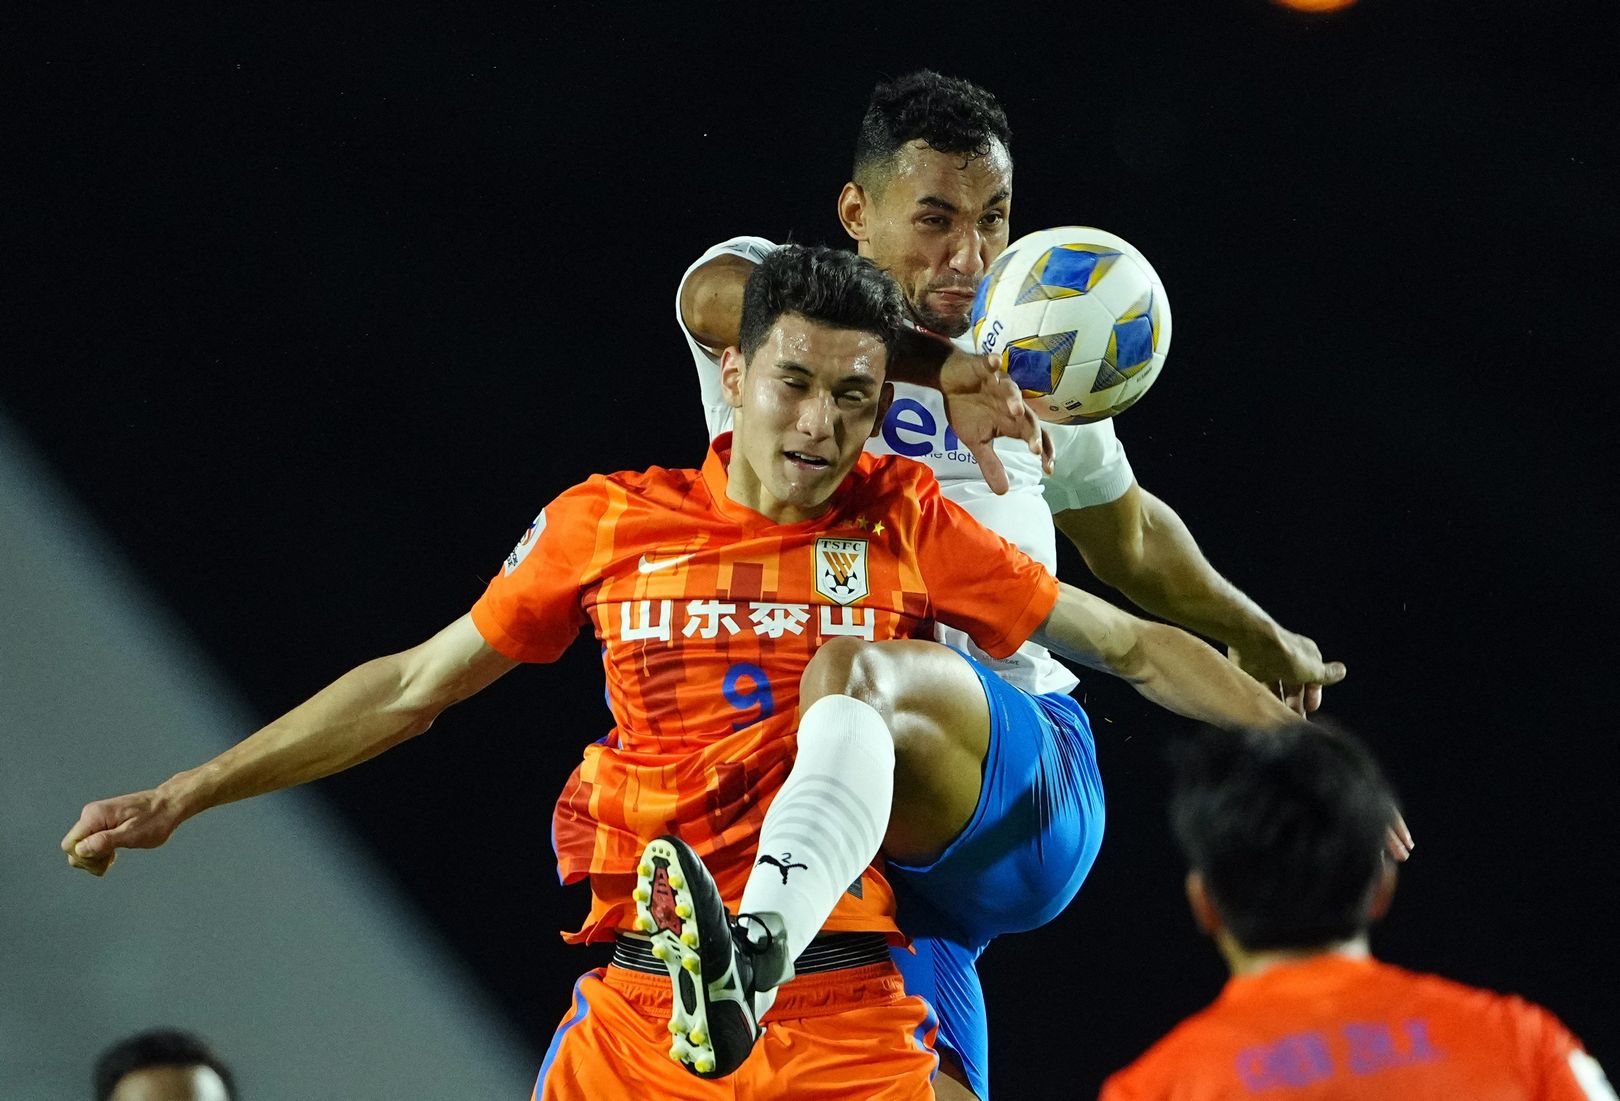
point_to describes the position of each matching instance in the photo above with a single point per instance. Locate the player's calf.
(716, 968)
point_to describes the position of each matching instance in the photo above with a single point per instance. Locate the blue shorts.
(1015, 865)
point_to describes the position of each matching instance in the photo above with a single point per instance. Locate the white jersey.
(1090, 469)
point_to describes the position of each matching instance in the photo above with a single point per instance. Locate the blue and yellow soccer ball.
(1078, 318)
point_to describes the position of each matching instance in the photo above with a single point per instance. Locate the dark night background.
(314, 310)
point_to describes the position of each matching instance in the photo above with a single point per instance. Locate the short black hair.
(950, 114)
(826, 285)
(1287, 830)
(158, 1047)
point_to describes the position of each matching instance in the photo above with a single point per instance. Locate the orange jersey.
(708, 614)
(1336, 1027)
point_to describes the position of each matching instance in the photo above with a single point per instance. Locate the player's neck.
(744, 487)
(1244, 963)
(771, 510)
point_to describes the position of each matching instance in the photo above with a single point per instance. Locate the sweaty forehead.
(919, 169)
(809, 344)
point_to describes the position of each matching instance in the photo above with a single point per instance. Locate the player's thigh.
(935, 708)
(1034, 836)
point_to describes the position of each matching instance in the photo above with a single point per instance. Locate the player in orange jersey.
(1283, 835)
(929, 199)
(712, 592)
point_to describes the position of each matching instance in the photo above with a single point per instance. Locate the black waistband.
(828, 952)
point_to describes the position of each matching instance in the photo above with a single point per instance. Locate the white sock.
(827, 822)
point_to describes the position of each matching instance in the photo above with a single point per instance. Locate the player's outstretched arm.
(367, 710)
(1140, 546)
(1165, 664)
(1177, 672)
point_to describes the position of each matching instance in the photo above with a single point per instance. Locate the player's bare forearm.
(1186, 675)
(1165, 664)
(365, 711)
(1141, 547)
(918, 359)
(1138, 545)
(1088, 630)
(349, 721)
(355, 717)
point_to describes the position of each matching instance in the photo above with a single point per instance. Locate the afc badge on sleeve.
(841, 570)
(526, 544)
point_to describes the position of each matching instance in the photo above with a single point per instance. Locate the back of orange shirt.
(1348, 1029)
(708, 614)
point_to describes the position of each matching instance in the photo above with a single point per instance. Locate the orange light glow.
(1314, 5)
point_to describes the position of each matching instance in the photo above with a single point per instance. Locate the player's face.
(805, 404)
(935, 223)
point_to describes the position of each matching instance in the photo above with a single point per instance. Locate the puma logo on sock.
(781, 865)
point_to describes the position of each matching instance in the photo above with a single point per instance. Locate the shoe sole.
(679, 908)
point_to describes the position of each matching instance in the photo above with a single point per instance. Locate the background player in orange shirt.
(735, 553)
(1283, 835)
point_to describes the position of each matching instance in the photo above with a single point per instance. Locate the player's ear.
(884, 398)
(852, 210)
(732, 366)
(1384, 893)
(1203, 907)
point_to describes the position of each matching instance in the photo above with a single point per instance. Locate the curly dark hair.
(826, 285)
(951, 114)
(159, 1047)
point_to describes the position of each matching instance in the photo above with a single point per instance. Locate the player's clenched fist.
(142, 820)
(1291, 665)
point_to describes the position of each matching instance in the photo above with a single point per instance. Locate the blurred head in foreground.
(163, 1065)
(1284, 839)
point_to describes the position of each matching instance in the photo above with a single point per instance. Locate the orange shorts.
(852, 1033)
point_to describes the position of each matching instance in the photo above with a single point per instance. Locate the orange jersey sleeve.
(532, 610)
(978, 582)
(1339, 1029)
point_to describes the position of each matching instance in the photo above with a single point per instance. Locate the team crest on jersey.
(841, 569)
(526, 544)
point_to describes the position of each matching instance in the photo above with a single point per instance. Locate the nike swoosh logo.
(647, 565)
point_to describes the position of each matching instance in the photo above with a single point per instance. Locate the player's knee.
(847, 667)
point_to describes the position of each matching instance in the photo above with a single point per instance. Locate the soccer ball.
(1079, 320)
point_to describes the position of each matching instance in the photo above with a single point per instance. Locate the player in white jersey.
(996, 819)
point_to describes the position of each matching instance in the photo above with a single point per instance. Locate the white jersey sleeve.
(1590, 1077)
(1089, 466)
(716, 413)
